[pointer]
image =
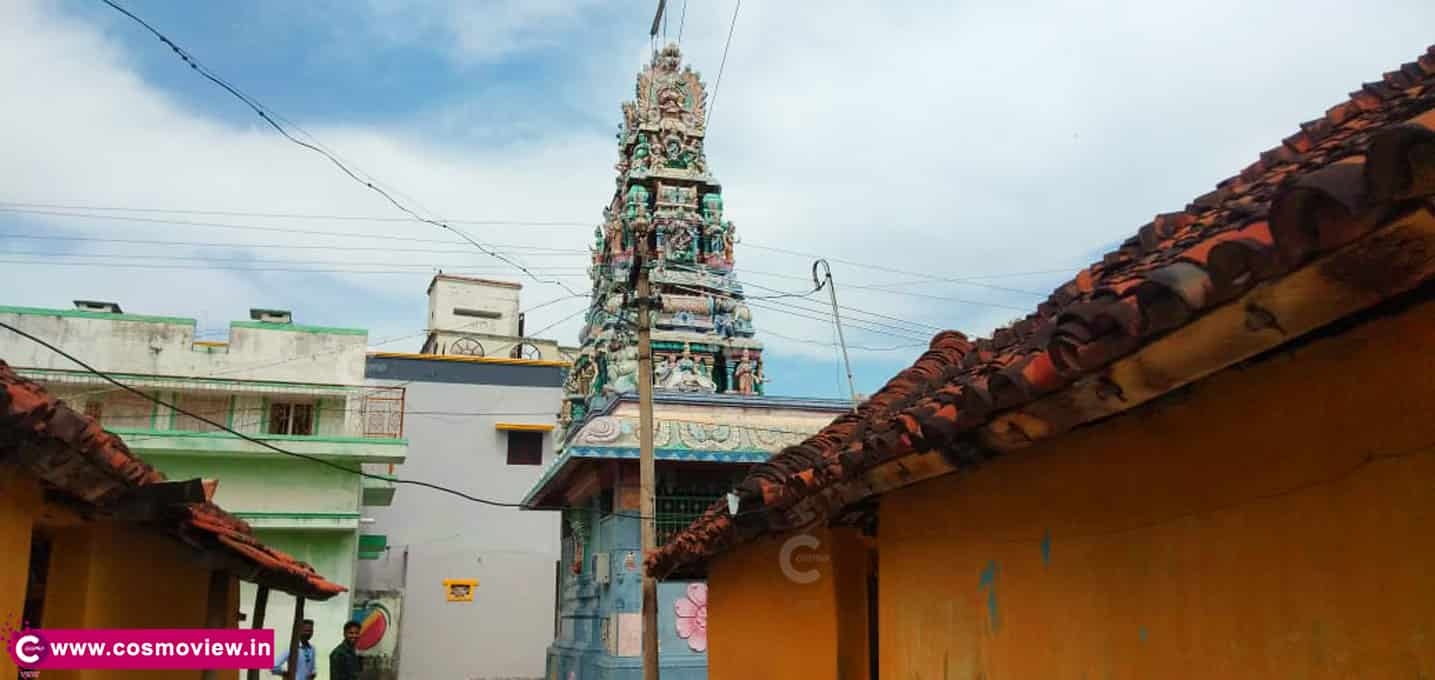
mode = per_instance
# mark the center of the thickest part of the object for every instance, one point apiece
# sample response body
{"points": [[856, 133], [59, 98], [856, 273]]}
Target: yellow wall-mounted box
{"points": [[459, 589]]}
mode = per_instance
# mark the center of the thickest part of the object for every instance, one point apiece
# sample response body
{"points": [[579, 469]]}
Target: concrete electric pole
{"points": [[647, 472]]}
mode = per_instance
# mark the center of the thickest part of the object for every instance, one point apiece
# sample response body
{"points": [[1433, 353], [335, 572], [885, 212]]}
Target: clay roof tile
{"points": [[1314, 192], [70, 451]]}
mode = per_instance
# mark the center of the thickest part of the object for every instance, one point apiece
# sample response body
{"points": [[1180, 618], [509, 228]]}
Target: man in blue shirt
{"points": [[304, 665]]}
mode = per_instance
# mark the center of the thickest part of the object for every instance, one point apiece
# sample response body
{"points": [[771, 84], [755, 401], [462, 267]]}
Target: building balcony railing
{"points": [[381, 412], [267, 409]]}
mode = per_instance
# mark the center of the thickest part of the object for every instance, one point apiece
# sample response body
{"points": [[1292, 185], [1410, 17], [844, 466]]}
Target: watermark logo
{"points": [[28, 648], [797, 566]]}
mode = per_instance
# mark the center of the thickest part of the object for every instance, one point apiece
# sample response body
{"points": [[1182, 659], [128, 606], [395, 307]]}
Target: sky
{"points": [[953, 162]]}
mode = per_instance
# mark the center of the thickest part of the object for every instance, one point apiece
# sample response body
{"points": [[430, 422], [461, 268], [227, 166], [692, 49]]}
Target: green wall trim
{"points": [[297, 515], [296, 328], [217, 381], [264, 416], [229, 417], [154, 414], [318, 411], [82, 314], [184, 434]]}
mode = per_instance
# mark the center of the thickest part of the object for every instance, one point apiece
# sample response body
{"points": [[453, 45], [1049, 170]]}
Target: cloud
{"points": [[475, 33], [94, 133], [931, 139]]}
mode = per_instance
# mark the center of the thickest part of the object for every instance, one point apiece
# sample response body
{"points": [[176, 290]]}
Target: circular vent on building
{"points": [[466, 347], [525, 350]]}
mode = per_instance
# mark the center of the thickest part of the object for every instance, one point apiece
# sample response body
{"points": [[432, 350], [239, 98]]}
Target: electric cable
{"points": [[285, 215], [917, 326], [538, 251], [251, 439], [862, 324], [682, 21], [261, 261], [971, 279], [419, 269], [313, 459], [264, 114], [712, 101]]}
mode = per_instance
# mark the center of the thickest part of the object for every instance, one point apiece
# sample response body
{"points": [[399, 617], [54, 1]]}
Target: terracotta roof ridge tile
{"points": [[72, 452], [1326, 185]]}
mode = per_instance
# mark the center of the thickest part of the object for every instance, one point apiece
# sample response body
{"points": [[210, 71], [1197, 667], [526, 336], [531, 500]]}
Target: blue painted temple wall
{"points": [[589, 644]]}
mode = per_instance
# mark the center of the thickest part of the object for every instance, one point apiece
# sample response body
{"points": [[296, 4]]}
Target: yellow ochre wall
{"points": [[764, 626], [20, 505], [107, 575], [1276, 521]]}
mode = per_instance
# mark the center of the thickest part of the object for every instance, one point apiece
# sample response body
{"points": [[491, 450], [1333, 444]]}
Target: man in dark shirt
{"points": [[344, 661]]}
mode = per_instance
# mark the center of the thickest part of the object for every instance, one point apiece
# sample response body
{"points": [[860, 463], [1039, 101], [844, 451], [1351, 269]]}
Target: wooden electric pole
{"points": [[647, 472]]}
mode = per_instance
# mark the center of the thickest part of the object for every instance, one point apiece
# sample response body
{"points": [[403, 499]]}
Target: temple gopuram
{"points": [[712, 416]]}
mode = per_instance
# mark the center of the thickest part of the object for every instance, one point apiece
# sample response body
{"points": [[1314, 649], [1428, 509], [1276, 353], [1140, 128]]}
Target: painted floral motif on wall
{"points": [[692, 621]]}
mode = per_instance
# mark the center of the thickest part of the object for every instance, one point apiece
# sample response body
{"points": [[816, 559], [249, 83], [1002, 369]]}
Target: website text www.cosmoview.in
{"points": [[142, 649]]}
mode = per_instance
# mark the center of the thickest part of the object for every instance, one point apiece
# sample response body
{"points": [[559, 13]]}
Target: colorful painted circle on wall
{"points": [[374, 621]]}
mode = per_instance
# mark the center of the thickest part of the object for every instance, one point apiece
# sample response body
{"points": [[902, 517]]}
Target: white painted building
{"points": [[482, 425], [481, 317], [300, 388]]}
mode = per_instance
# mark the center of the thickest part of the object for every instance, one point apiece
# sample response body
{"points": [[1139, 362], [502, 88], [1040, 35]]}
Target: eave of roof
{"points": [[71, 452], [1366, 165]]}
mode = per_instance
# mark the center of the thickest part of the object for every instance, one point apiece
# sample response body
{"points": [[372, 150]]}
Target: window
{"points": [[285, 418], [525, 448]]}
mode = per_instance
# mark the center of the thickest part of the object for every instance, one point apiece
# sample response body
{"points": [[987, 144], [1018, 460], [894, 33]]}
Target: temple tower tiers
{"points": [[703, 337]]}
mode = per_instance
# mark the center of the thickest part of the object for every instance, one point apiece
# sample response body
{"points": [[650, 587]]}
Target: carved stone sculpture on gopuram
{"points": [[703, 337]]}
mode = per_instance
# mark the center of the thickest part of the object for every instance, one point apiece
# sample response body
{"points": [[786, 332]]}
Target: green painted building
{"points": [[300, 388]]}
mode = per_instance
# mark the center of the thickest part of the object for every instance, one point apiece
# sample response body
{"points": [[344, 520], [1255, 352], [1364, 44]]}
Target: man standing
{"points": [[344, 661], [304, 664]]}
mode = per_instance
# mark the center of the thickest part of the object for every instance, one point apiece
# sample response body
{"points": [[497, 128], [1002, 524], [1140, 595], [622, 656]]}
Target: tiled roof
{"points": [[1342, 177], [69, 451]]}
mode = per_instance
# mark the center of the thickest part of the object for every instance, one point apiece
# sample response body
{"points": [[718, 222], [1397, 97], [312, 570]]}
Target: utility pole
{"points": [[647, 472], [837, 320], [658, 18]]}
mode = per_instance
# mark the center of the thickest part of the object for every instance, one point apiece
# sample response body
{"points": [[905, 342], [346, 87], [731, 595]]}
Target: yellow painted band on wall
{"points": [[523, 427], [473, 360]]}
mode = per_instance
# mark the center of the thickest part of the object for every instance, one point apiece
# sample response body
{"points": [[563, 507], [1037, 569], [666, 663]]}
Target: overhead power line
{"points": [[791, 305], [834, 344], [315, 459], [293, 270], [712, 101], [62, 210], [295, 216], [560, 321], [222, 225], [251, 439], [537, 251], [907, 322], [258, 261], [853, 263], [806, 313], [903, 293], [317, 148]]}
